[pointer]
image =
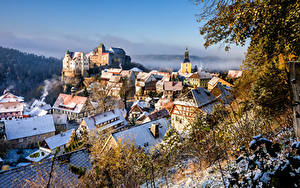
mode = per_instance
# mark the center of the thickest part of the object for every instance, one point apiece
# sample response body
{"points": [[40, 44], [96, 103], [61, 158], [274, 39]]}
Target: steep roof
{"points": [[59, 139], [21, 128], [9, 97], [159, 114], [141, 134], [105, 117], [200, 98], [194, 75], [117, 50], [70, 103], [214, 81], [135, 69], [25, 175]]}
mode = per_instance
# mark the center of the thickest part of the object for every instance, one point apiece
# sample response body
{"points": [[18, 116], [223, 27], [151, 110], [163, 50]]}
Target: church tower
{"points": [[186, 65]]}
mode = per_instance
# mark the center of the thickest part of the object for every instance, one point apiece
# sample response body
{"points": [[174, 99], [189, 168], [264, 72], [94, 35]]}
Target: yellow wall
{"points": [[186, 67]]}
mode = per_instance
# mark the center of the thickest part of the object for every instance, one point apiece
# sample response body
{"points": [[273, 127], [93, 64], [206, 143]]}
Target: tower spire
{"points": [[186, 55]]}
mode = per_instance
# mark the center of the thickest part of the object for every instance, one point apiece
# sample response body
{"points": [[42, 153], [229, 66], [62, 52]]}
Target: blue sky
{"points": [[49, 27]]}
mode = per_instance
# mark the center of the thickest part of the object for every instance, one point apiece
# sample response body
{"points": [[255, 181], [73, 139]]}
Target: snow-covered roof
{"points": [[59, 139], [117, 50], [204, 75], [70, 103], [173, 86], [202, 96], [159, 114], [113, 70], [8, 97], [141, 134], [116, 116], [135, 69], [234, 73], [213, 81], [21, 128], [140, 104], [106, 75], [143, 76]]}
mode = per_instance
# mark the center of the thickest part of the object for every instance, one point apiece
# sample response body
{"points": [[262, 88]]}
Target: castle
{"points": [[79, 64]]}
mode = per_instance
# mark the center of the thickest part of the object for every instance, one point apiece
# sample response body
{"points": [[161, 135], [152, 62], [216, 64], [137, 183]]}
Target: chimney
{"points": [[154, 130], [73, 91]]}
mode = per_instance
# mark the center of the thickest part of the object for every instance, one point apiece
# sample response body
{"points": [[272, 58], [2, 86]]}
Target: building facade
{"points": [[11, 106]]}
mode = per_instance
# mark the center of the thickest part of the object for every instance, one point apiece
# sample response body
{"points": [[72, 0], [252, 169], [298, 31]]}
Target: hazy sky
{"points": [[49, 27]]}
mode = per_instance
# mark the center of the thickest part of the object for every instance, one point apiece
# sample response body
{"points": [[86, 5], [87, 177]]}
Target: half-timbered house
{"points": [[185, 108]]}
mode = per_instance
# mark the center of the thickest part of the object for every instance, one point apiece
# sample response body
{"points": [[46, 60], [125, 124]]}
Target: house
{"points": [[145, 83], [197, 79], [160, 75], [172, 89], [213, 82], [51, 145], [160, 84], [76, 107], [27, 132], [186, 108], [157, 115], [147, 135], [28, 175], [222, 93], [11, 106], [105, 77], [234, 74], [107, 121], [138, 108], [59, 140], [115, 85], [130, 78], [164, 102]]}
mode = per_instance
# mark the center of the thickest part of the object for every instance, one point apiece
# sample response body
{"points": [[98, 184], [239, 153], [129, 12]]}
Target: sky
{"points": [[50, 27]]}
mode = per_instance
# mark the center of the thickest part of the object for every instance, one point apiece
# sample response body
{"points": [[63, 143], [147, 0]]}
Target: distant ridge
{"points": [[173, 61]]}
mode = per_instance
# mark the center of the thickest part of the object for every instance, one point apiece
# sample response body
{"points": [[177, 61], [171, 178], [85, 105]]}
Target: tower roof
{"points": [[186, 56]]}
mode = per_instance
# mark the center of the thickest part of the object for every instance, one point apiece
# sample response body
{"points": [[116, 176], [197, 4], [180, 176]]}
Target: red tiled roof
{"points": [[69, 102]]}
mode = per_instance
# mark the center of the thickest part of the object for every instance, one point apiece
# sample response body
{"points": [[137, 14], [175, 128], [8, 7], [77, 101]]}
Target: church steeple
{"points": [[186, 55], [186, 65]]}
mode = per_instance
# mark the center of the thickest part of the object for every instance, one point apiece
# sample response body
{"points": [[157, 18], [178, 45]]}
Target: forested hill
{"points": [[25, 73]]}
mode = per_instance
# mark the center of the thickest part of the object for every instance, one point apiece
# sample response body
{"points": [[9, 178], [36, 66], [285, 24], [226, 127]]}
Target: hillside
{"points": [[24, 73]]}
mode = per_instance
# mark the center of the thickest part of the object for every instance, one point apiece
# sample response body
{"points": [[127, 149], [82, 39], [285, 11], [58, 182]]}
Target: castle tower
{"points": [[186, 65], [101, 48]]}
